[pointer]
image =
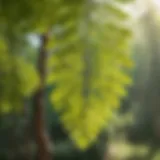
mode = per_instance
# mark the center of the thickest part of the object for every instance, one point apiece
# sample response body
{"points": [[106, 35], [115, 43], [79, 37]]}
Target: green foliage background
{"points": [[89, 60]]}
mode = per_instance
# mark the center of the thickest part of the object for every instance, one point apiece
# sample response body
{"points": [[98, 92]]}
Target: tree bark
{"points": [[41, 135]]}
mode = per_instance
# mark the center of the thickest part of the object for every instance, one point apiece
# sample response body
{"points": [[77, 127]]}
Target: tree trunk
{"points": [[42, 138]]}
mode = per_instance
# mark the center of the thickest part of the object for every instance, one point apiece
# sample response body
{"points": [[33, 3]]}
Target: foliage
{"points": [[29, 17], [18, 80], [33, 16], [88, 65], [90, 71]]}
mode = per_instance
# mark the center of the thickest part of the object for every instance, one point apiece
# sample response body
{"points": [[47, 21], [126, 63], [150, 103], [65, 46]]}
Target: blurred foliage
{"points": [[19, 79], [90, 72], [88, 64]]}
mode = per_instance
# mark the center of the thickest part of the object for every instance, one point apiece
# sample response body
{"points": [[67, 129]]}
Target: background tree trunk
{"points": [[42, 138]]}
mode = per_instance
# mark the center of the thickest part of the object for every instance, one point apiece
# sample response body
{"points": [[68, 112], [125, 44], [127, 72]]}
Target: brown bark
{"points": [[42, 138]]}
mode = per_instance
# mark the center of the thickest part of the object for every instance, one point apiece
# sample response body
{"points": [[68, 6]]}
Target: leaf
{"points": [[90, 78]]}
